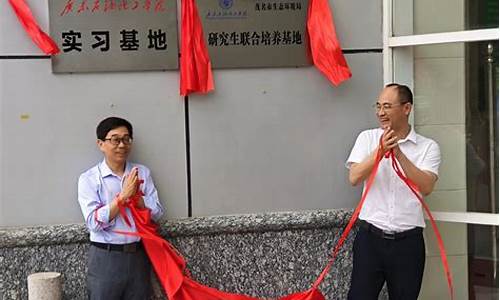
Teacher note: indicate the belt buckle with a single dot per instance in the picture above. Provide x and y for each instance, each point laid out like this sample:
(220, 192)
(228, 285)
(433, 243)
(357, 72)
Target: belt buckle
(130, 247)
(388, 235)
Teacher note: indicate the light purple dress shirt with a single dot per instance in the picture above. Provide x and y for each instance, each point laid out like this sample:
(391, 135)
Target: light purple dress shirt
(97, 187)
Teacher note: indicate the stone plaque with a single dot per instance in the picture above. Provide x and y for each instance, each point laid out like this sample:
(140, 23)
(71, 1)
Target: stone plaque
(114, 35)
(255, 33)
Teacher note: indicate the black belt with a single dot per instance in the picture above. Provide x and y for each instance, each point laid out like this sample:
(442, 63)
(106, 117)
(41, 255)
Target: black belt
(132, 247)
(389, 235)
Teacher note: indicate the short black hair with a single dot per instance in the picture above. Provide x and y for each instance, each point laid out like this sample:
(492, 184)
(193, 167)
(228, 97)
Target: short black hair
(404, 93)
(111, 123)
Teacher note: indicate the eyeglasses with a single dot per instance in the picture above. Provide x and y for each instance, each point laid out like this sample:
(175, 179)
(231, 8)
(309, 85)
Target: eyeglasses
(115, 140)
(386, 106)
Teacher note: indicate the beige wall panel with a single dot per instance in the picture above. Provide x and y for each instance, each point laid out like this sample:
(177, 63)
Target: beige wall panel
(434, 285)
(454, 238)
(448, 200)
(451, 140)
(439, 91)
(438, 16)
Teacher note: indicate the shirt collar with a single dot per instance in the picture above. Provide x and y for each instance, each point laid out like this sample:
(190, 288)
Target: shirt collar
(412, 136)
(106, 171)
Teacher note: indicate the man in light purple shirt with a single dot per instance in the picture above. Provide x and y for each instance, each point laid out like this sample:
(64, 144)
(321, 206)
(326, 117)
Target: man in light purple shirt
(118, 267)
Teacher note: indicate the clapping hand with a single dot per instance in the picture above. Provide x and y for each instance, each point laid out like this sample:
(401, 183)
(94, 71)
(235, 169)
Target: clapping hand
(130, 185)
(389, 140)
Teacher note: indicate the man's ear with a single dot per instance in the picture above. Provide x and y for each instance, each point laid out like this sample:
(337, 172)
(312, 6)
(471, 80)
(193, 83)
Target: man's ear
(99, 143)
(408, 108)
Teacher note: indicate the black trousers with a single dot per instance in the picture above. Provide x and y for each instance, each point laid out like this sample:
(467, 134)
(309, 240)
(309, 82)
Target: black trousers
(117, 275)
(399, 262)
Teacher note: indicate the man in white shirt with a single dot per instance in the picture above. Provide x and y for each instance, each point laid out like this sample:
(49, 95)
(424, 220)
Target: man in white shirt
(389, 246)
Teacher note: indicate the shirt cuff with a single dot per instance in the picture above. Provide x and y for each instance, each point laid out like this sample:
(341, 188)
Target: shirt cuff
(101, 215)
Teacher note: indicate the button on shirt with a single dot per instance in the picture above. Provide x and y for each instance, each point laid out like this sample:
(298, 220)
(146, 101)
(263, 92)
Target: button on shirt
(97, 187)
(390, 205)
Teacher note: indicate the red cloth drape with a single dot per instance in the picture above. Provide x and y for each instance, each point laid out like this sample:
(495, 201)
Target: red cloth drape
(195, 68)
(40, 38)
(170, 266)
(171, 271)
(325, 48)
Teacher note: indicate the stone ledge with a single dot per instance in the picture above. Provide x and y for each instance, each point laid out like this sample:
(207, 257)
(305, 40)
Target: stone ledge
(275, 221)
(263, 255)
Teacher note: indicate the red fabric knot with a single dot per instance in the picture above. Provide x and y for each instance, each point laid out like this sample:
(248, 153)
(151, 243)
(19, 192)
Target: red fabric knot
(195, 66)
(40, 38)
(325, 48)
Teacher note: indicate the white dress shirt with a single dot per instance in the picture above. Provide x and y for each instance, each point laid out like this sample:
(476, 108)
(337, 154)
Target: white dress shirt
(390, 205)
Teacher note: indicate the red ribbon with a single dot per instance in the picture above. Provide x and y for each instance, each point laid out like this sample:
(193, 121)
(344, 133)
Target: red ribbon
(413, 187)
(352, 221)
(40, 38)
(195, 65)
(325, 48)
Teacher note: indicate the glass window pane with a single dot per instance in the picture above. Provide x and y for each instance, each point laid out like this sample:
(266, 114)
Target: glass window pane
(482, 127)
(456, 104)
(473, 259)
(430, 16)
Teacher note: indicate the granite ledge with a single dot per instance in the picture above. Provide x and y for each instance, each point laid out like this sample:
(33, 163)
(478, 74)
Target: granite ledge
(227, 224)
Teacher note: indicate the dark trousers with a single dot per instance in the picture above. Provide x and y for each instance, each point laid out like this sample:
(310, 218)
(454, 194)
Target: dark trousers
(399, 262)
(117, 275)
